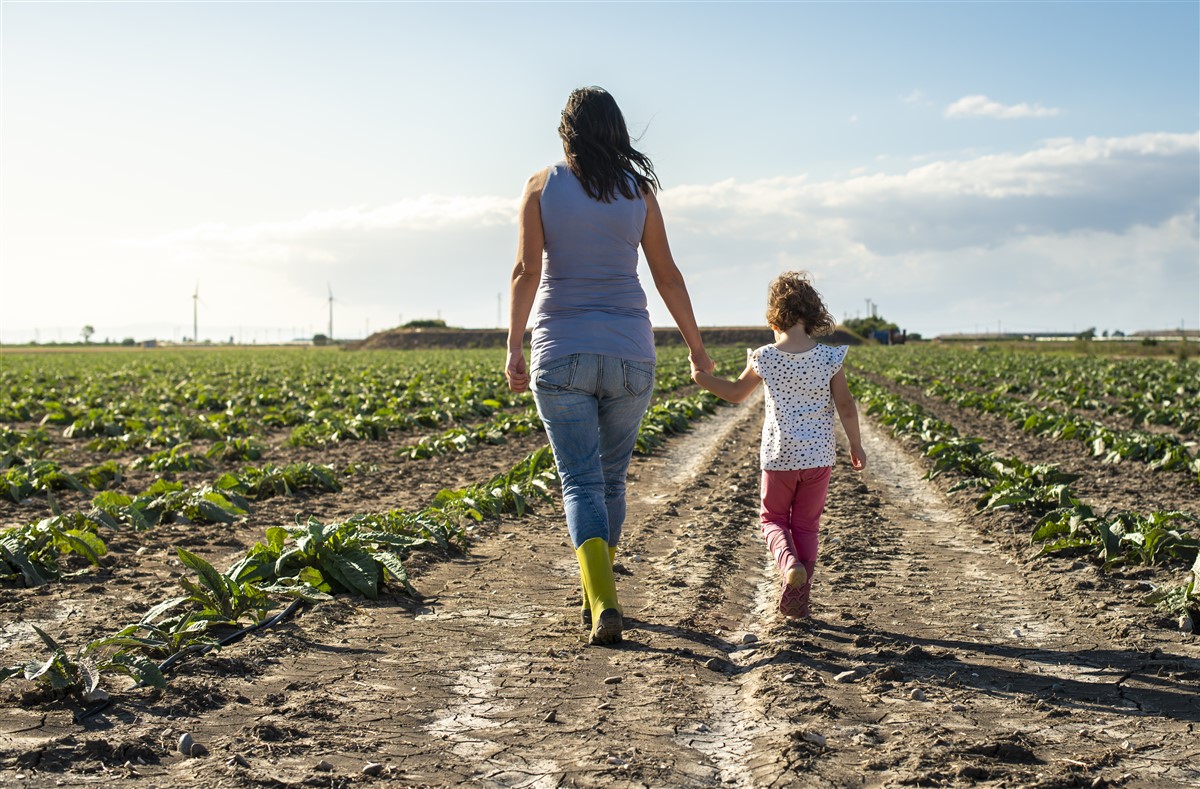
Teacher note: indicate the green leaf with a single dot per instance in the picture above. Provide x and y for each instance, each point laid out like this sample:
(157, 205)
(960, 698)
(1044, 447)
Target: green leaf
(14, 553)
(276, 537)
(355, 570)
(136, 642)
(395, 567)
(162, 486)
(280, 568)
(86, 544)
(46, 639)
(35, 669)
(111, 499)
(297, 589)
(160, 609)
(141, 668)
(212, 579)
(89, 674)
(312, 576)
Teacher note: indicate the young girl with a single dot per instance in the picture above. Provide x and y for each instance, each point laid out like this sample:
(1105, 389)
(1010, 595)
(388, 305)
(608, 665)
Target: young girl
(805, 382)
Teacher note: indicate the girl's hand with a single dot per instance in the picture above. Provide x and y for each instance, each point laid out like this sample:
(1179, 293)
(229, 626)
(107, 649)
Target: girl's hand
(515, 372)
(858, 458)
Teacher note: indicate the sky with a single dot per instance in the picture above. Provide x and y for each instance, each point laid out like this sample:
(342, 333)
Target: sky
(1012, 166)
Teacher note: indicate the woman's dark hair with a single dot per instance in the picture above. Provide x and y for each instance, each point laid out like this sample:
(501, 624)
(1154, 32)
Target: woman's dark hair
(792, 300)
(598, 150)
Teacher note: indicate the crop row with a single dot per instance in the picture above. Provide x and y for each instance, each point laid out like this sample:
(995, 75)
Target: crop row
(31, 552)
(231, 401)
(308, 561)
(1162, 451)
(1062, 523)
(944, 378)
(1144, 391)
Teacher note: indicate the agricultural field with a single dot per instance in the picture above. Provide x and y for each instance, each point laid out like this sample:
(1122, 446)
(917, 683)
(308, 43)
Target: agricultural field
(325, 568)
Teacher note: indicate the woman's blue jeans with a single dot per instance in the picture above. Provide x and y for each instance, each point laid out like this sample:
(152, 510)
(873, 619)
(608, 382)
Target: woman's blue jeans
(592, 407)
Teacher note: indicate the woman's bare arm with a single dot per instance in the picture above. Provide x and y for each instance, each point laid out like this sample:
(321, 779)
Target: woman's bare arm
(526, 275)
(669, 282)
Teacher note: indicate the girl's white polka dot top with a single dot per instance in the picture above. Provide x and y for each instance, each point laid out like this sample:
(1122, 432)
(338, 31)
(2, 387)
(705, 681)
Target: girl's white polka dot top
(798, 427)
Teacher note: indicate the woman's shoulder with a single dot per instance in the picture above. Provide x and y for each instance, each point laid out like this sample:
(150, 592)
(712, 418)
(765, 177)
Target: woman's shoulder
(537, 182)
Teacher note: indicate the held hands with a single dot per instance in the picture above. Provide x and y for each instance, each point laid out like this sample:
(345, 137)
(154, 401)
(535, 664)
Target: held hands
(515, 372)
(858, 458)
(701, 363)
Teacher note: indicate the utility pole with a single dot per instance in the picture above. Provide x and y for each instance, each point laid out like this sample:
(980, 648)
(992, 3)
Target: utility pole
(195, 314)
(330, 287)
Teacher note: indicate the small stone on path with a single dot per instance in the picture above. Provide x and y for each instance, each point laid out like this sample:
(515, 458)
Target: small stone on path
(846, 676)
(186, 743)
(373, 769)
(749, 638)
(612, 680)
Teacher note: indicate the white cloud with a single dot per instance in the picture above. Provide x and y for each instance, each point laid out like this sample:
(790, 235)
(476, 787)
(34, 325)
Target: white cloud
(429, 213)
(1063, 186)
(1044, 238)
(980, 105)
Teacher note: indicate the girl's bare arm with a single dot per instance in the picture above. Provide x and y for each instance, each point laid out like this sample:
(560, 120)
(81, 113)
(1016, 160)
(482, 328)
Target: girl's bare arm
(733, 391)
(848, 412)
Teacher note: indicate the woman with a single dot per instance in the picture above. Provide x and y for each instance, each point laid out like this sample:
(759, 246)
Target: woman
(592, 365)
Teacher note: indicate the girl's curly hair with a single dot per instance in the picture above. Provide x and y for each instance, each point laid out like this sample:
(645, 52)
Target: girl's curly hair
(792, 299)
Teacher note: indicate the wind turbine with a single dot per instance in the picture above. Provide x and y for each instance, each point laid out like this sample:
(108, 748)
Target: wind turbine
(330, 288)
(195, 313)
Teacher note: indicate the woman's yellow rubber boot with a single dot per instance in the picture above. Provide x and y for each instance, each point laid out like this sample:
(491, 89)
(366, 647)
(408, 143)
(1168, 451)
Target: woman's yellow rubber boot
(595, 565)
(585, 613)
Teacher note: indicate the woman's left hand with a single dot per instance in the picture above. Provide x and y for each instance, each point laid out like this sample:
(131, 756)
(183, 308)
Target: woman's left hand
(701, 362)
(515, 372)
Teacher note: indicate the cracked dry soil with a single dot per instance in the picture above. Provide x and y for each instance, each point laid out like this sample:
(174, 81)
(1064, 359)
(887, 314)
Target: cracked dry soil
(938, 655)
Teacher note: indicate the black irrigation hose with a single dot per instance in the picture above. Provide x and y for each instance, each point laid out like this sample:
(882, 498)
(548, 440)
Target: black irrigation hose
(198, 649)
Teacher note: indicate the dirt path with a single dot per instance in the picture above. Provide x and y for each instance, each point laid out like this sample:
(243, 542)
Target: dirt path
(934, 658)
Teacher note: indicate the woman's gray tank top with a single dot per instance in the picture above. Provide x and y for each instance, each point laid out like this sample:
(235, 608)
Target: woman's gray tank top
(590, 299)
